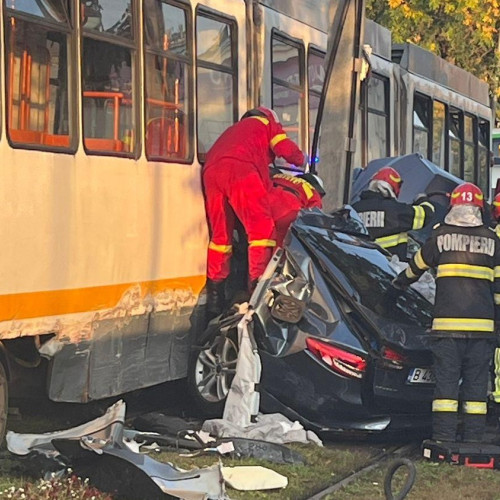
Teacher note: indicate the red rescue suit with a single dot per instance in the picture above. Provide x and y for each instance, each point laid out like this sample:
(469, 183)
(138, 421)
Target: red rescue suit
(236, 182)
(289, 196)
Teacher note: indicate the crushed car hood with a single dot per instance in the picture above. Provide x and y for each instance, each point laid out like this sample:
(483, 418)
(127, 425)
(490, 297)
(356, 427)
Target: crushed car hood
(345, 281)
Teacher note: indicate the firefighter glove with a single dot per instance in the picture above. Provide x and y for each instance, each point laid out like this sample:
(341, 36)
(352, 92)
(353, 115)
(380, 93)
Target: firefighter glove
(420, 198)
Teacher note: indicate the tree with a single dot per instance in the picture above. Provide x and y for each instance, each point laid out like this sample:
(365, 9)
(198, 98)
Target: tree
(464, 32)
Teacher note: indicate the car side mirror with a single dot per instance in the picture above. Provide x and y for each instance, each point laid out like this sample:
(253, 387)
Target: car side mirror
(288, 309)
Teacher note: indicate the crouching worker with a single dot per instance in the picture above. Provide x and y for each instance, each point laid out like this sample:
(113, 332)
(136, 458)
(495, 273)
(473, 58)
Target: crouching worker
(466, 257)
(291, 194)
(387, 219)
(236, 182)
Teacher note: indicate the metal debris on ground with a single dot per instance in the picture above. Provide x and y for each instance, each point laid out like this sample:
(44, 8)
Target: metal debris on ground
(198, 442)
(97, 450)
(109, 455)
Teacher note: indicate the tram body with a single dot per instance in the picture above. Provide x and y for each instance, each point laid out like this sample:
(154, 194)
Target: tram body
(108, 110)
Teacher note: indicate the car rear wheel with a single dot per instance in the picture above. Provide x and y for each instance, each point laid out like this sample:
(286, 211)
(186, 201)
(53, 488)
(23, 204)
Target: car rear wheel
(211, 372)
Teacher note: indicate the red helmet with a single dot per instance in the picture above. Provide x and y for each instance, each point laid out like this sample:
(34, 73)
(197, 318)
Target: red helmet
(269, 113)
(391, 176)
(467, 194)
(495, 207)
(263, 112)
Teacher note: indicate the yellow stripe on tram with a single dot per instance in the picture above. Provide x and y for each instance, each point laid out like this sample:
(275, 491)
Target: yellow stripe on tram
(27, 305)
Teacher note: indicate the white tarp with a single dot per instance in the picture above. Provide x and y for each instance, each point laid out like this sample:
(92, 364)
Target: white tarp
(243, 399)
(241, 418)
(273, 427)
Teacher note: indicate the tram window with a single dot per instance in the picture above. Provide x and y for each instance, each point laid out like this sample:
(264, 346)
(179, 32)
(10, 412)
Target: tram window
(377, 132)
(455, 136)
(50, 10)
(109, 16)
(469, 148)
(421, 124)
(109, 121)
(108, 118)
(216, 79)
(484, 154)
(37, 76)
(288, 85)
(168, 82)
(438, 133)
(316, 78)
(495, 144)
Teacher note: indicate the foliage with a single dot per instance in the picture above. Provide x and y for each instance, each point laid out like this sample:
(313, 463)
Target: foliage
(464, 32)
(70, 488)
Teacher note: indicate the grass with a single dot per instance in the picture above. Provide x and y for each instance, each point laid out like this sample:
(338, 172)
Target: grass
(324, 466)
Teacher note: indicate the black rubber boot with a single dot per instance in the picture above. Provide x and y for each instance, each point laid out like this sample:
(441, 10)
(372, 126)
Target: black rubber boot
(444, 426)
(474, 427)
(215, 298)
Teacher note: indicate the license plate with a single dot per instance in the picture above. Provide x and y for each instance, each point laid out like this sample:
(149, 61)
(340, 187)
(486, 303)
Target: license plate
(421, 376)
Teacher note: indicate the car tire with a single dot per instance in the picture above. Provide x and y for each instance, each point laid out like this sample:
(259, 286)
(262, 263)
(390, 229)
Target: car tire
(211, 370)
(4, 402)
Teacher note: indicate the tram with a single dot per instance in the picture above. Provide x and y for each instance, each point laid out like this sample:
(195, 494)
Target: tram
(108, 109)
(416, 102)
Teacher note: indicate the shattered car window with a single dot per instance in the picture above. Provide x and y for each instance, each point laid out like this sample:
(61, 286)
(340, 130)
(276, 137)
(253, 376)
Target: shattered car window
(370, 274)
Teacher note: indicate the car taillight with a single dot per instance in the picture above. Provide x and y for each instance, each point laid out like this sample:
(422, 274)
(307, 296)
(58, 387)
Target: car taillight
(392, 355)
(395, 358)
(343, 362)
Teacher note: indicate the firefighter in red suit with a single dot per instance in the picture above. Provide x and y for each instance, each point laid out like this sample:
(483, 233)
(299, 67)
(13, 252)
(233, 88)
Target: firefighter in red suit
(237, 183)
(291, 194)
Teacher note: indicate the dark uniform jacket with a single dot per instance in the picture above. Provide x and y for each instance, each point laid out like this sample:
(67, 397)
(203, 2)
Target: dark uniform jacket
(467, 263)
(388, 220)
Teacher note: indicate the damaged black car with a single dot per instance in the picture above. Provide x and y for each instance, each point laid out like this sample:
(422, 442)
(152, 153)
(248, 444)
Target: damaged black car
(341, 349)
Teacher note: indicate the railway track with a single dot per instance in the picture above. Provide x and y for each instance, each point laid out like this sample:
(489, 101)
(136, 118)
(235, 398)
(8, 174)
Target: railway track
(396, 456)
